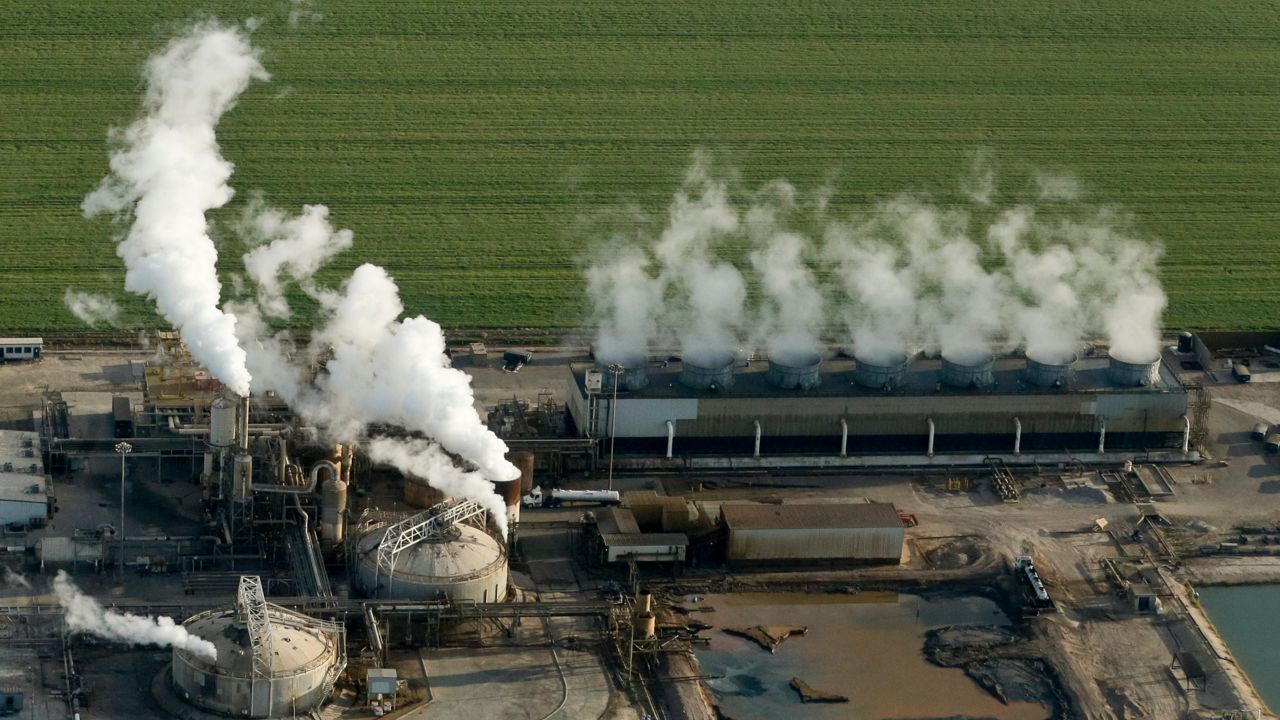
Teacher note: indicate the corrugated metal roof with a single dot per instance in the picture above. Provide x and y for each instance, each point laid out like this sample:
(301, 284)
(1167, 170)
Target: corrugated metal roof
(811, 516)
(613, 521)
(21, 341)
(644, 539)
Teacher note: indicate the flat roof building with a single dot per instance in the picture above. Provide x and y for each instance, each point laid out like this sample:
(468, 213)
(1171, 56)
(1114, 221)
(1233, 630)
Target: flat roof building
(828, 532)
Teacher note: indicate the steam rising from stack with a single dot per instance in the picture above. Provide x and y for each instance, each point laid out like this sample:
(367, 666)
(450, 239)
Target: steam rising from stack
(168, 173)
(84, 614)
(905, 274)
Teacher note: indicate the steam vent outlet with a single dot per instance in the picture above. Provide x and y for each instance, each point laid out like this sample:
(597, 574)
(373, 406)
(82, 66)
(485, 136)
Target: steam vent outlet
(1049, 373)
(1133, 374)
(634, 375)
(795, 371)
(881, 374)
(710, 372)
(975, 374)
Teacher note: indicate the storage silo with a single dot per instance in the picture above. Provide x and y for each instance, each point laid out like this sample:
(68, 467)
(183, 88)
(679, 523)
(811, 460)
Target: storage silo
(968, 372)
(271, 662)
(523, 460)
(1124, 373)
(419, 493)
(442, 552)
(798, 370)
(712, 371)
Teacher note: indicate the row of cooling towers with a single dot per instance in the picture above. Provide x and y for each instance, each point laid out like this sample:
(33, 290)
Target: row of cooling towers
(803, 372)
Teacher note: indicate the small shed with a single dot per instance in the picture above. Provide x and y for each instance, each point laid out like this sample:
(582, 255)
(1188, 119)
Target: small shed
(830, 532)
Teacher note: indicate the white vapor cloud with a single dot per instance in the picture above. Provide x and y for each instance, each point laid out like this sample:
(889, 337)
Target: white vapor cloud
(83, 614)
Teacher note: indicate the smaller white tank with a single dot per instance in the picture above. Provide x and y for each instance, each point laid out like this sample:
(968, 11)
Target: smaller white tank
(222, 422)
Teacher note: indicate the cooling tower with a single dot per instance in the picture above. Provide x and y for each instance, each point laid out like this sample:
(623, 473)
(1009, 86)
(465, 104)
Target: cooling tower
(795, 371)
(709, 372)
(972, 374)
(883, 373)
(1134, 374)
(1051, 372)
(634, 375)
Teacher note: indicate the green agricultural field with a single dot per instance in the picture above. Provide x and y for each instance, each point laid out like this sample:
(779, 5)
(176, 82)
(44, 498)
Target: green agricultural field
(465, 141)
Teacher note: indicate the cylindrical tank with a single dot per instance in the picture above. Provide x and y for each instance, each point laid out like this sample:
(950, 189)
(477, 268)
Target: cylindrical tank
(222, 422)
(1049, 372)
(646, 625)
(419, 493)
(644, 602)
(713, 371)
(336, 456)
(634, 375)
(299, 678)
(1124, 373)
(798, 370)
(1186, 342)
(1272, 442)
(524, 461)
(881, 373)
(242, 478)
(973, 373)
(333, 503)
(510, 494)
(467, 563)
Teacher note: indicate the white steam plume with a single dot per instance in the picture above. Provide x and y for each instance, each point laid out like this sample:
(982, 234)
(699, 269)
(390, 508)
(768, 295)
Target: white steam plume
(294, 245)
(790, 313)
(84, 614)
(708, 296)
(92, 309)
(1049, 318)
(880, 289)
(15, 579)
(426, 459)
(167, 174)
(626, 302)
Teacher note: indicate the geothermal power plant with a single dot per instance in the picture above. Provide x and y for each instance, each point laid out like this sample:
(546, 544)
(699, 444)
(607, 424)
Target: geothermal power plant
(921, 462)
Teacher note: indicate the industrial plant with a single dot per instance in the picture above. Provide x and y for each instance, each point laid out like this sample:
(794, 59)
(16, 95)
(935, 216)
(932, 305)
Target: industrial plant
(931, 467)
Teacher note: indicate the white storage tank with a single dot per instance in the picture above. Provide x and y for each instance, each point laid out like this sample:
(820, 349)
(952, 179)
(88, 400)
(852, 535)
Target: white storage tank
(222, 422)
(457, 560)
(289, 670)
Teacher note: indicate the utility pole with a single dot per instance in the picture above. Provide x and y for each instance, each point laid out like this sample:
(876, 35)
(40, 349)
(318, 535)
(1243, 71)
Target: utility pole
(616, 369)
(123, 448)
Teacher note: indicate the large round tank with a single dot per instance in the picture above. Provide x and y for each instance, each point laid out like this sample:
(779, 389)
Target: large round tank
(798, 370)
(1124, 373)
(419, 493)
(467, 563)
(881, 373)
(510, 494)
(222, 422)
(299, 679)
(1049, 372)
(975, 373)
(712, 372)
(634, 375)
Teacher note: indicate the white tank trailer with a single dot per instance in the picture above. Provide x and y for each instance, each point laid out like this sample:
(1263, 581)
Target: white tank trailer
(1124, 373)
(795, 371)
(1049, 373)
(713, 372)
(881, 374)
(969, 373)
(271, 663)
(458, 561)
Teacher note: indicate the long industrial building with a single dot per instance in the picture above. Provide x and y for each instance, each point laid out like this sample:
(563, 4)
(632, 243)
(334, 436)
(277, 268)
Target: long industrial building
(922, 406)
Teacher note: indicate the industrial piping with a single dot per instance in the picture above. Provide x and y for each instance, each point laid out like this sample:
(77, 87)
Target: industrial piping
(1102, 437)
(1017, 436)
(757, 452)
(1186, 434)
(844, 438)
(671, 437)
(931, 429)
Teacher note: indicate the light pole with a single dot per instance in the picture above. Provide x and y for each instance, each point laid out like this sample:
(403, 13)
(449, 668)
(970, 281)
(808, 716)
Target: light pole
(616, 369)
(123, 448)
